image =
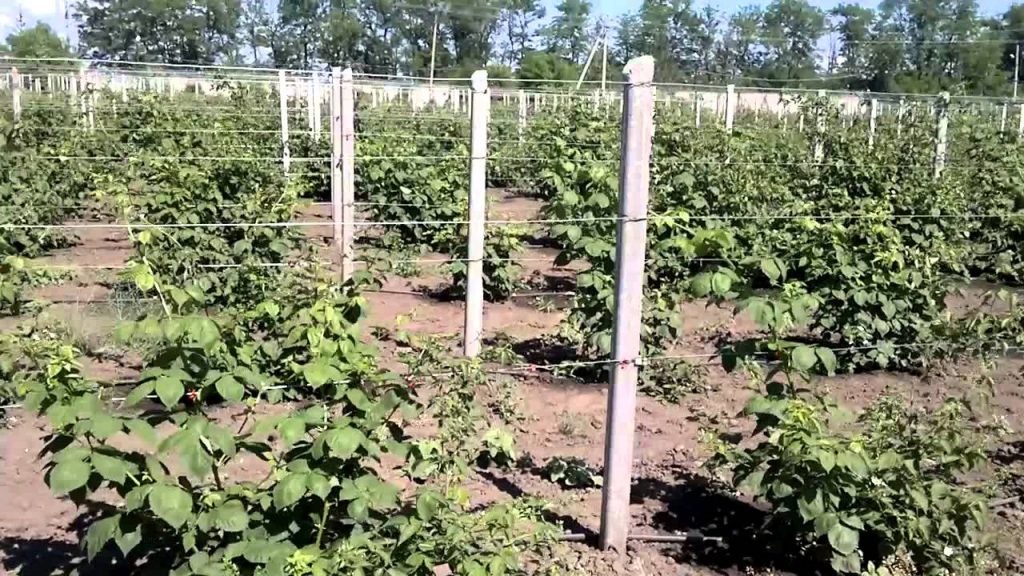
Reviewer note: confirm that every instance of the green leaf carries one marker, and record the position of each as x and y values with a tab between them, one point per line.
700	285
230	389
319	373
139	393
289	490
104	426
853	462
827	460
291	430
143	430
844	540
846	563
205	332
171	504
824	522
113	469
811	508
721	283
771	269
127	541
231	516
68	476
359	510
889	459
828	359
345	441
100	533
318	485
803	358
169	390
426	506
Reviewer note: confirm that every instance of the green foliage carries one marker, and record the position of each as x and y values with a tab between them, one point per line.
669	381
499	447
418	185
571	472
892	484
500	271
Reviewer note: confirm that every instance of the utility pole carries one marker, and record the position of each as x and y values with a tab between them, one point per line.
433	50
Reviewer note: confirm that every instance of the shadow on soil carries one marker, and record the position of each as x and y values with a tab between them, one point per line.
43	556
697	506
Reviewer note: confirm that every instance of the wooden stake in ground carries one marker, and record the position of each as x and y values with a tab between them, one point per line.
480	105
631	239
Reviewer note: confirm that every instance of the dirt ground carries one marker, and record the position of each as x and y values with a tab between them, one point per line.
672	493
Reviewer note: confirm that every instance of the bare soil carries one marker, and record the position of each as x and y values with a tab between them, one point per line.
672	493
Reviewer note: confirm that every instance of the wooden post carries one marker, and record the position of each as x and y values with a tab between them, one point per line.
940	134
819	142
872	122
282	88
348	174
481	104
1002	120
16	93
1020	120
631	239
699	99
730	107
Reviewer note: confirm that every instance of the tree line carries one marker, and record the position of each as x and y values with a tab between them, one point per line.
902	45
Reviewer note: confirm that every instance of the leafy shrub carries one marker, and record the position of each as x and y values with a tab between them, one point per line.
669	381
501	272
571	472
864	495
499	447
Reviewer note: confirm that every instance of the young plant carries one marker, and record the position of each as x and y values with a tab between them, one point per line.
499	448
864	495
571	472
500	271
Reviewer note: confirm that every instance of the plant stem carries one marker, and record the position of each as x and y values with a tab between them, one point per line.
323	524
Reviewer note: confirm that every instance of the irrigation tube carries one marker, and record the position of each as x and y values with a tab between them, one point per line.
667	538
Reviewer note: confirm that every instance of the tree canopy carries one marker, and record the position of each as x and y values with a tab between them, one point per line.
902	45
39	41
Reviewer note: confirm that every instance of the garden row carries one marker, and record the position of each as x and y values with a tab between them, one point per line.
844	263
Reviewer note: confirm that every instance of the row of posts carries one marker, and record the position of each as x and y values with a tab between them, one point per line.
637	128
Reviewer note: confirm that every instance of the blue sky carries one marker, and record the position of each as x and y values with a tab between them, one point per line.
51	11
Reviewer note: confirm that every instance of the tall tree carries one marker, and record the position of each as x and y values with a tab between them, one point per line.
854	25
300	25
740	53
255	28
342	33
173	31
567	34
471	25
519	22
39	41
790	31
